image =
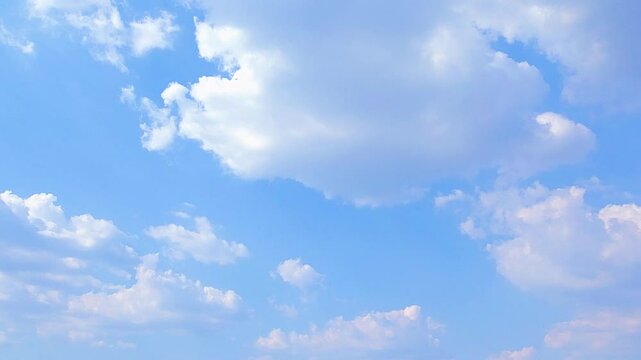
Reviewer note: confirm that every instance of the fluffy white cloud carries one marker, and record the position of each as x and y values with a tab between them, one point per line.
159	132
103	29
104	316
202	244
588	38
556	140
598	335
42	212
523	354
363	114
157	296
9	39
152	33
295	272
623	225
552	238
372	332
469	228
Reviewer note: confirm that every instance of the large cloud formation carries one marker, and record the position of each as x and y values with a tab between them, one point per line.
373	110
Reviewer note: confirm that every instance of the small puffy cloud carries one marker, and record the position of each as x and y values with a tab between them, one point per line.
159	134
103	29
9	39
596	335
524	354
152	33
455	195
160	131
296	273
550	238
201	244
222	42
366	334
128	95
469	228
41	211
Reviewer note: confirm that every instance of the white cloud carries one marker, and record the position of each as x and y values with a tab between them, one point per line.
455	195
73	263
41	211
152	33
557	140
128	95
547	238
377	126
156	301
157	134
202	244
9	39
296	273
161	132
372	332
595	334
223	42
469	228
156	297
585	37
523	354
102	27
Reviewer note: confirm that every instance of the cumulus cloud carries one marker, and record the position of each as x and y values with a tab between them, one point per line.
597	335
9	39
296	273
366	114
152	33
550	238
587	38
156	297
523	354
159	132
103	29
41	211
556	140
623	225
201	244
369	333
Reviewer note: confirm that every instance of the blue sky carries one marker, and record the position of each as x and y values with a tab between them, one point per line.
213	179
